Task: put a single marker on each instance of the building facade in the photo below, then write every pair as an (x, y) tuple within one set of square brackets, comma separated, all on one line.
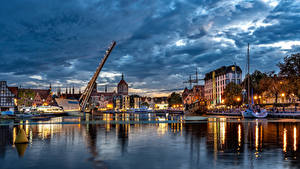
[(122, 99), (216, 81), (7, 102), (122, 87), (190, 96), (35, 97)]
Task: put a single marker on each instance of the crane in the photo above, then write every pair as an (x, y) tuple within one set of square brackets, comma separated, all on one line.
[(84, 98)]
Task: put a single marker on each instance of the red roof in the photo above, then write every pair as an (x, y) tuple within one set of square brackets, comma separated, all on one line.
[(122, 82), (44, 93)]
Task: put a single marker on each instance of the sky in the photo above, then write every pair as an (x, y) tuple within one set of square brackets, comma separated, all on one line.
[(159, 43)]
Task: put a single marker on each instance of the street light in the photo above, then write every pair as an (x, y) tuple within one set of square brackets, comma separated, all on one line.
[(282, 94)]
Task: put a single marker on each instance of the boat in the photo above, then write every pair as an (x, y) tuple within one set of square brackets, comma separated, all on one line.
[(250, 113), (26, 110), (195, 118), (9, 113), (50, 109)]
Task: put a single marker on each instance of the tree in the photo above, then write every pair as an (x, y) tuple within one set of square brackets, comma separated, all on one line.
[(255, 78), (290, 69), (290, 66), (233, 94), (274, 85), (174, 99)]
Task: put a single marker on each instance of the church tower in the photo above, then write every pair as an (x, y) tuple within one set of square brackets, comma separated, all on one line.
[(122, 87)]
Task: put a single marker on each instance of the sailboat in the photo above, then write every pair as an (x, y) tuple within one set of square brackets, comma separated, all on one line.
[(252, 111)]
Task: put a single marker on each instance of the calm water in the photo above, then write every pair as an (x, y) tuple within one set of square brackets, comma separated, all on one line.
[(218, 143)]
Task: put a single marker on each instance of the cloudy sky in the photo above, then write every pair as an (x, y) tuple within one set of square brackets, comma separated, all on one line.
[(159, 43)]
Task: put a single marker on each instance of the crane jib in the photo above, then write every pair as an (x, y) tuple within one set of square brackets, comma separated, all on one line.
[(84, 98)]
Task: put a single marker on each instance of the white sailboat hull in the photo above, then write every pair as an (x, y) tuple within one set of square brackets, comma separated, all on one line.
[(251, 114)]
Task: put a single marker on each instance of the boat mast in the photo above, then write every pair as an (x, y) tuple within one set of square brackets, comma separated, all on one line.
[(248, 60)]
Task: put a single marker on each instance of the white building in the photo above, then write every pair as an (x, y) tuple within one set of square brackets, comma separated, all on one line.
[(7, 102), (216, 81)]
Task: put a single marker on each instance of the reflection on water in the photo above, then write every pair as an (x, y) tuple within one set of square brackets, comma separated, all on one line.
[(218, 143)]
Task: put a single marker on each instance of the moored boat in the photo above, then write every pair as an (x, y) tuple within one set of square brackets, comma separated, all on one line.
[(249, 113), (50, 109)]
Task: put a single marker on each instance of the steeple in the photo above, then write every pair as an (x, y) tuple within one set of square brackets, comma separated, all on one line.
[(50, 88), (122, 76), (105, 89), (73, 90), (66, 90), (59, 92)]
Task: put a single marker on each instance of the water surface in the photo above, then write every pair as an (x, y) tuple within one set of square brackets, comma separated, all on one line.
[(111, 142)]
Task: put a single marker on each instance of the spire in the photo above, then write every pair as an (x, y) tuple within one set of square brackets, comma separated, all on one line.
[(50, 87), (66, 90), (59, 92), (122, 76), (73, 90), (197, 75), (105, 89), (70, 90)]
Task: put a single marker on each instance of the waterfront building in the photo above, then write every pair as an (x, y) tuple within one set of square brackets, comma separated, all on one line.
[(103, 100), (122, 87), (122, 100), (35, 97), (7, 97), (216, 81), (69, 95), (155, 102), (135, 101), (193, 95)]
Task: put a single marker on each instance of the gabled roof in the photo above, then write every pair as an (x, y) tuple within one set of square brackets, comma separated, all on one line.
[(44, 93), (122, 81)]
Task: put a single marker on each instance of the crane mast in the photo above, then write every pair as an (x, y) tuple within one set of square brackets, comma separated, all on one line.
[(84, 98)]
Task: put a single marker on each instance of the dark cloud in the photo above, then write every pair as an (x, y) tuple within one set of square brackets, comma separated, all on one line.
[(159, 43)]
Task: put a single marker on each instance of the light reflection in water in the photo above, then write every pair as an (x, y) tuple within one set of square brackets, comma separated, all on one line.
[(219, 139), (284, 139), (162, 129), (256, 137), (222, 130), (47, 130), (239, 135), (295, 138)]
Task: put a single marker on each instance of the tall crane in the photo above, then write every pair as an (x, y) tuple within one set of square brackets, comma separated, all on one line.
[(84, 98)]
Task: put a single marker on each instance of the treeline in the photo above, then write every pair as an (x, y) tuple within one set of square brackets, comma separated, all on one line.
[(284, 84)]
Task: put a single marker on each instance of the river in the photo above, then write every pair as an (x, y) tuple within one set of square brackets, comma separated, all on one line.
[(136, 141)]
